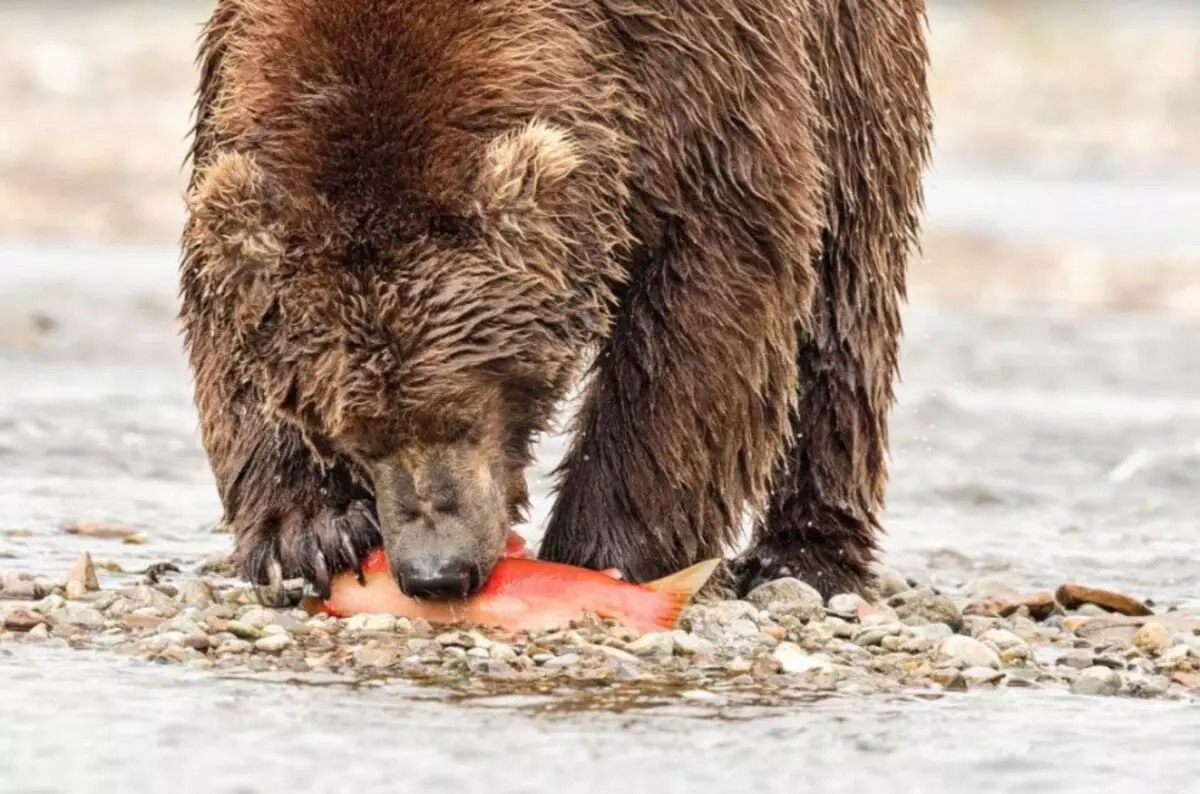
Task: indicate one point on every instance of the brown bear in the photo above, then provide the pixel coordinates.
(414, 225)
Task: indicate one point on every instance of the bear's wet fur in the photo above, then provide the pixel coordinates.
(414, 224)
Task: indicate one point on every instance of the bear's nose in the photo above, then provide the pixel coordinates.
(452, 578)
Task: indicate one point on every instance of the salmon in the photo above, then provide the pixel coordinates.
(523, 594)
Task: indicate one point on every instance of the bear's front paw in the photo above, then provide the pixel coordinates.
(830, 573)
(313, 544)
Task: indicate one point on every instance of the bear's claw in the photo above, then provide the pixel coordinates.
(312, 545)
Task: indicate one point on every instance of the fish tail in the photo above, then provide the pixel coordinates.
(679, 588)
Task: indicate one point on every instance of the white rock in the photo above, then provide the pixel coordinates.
(1097, 680)
(961, 651)
(273, 643)
(792, 659)
(1002, 639)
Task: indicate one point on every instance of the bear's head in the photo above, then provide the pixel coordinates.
(420, 331)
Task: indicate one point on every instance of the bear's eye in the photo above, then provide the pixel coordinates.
(447, 225)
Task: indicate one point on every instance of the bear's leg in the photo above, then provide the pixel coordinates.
(290, 518)
(823, 517)
(685, 412)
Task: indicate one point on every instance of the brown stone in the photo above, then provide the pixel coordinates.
(1040, 606)
(1122, 628)
(143, 621)
(1073, 596)
(84, 572)
(22, 620)
(1189, 680)
(101, 530)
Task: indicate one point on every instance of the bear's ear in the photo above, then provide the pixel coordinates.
(522, 167)
(235, 210)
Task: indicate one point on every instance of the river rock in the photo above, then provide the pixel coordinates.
(23, 587)
(20, 619)
(1002, 639)
(84, 572)
(1072, 596)
(980, 676)
(888, 582)
(846, 605)
(652, 644)
(273, 643)
(923, 606)
(81, 615)
(1097, 680)
(689, 644)
(196, 593)
(962, 651)
(1152, 638)
(793, 660)
(788, 597)
(562, 662)
(372, 622)
(625, 672)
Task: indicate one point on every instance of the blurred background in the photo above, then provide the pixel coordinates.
(1066, 130)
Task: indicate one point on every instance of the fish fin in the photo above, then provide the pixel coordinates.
(679, 587)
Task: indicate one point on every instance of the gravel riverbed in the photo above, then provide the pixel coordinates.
(909, 638)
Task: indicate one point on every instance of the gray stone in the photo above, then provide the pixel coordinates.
(888, 581)
(871, 635)
(788, 597)
(196, 593)
(243, 631)
(923, 606)
(1078, 658)
(931, 632)
(146, 596)
(1002, 639)
(79, 615)
(654, 644)
(477, 653)
(1097, 680)
(962, 651)
(689, 644)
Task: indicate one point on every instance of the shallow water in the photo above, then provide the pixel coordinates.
(1037, 446)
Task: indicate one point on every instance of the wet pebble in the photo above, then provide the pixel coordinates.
(922, 606)
(19, 619)
(273, 643)
(846, 605)
(1097, 681)
(196, 593)
(561, 662)
(979, 676)
(83, 573)
(79, 615)
(655, 644)
(788, 597)
(792, 659)
(962, 651)
(22, 587)
(1152, 638)
(370, 622)
(624, 671)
